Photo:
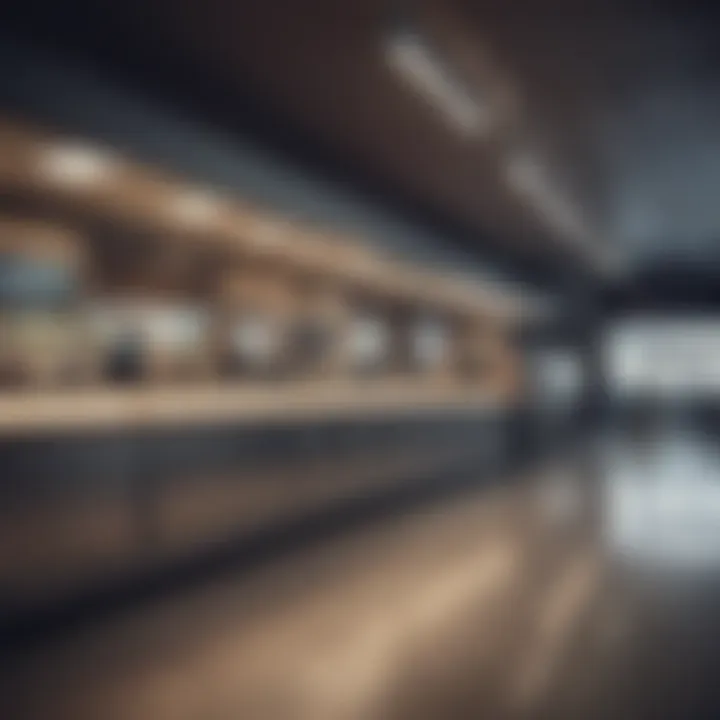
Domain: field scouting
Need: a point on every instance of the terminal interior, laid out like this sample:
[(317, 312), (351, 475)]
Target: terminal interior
[(359, 361)]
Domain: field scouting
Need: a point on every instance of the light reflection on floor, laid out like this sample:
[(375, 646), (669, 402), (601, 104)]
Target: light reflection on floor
[(662, 502)]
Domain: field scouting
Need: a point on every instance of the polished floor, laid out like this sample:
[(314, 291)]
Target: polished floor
[(526, 600)]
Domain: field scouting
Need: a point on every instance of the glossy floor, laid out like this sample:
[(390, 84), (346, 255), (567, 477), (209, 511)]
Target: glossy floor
[(529, 600)]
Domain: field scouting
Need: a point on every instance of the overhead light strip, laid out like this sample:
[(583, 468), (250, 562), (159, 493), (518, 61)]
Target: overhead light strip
[(411, 57)]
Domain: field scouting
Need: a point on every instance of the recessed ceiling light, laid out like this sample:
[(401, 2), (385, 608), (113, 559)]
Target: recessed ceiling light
[(74, 165)]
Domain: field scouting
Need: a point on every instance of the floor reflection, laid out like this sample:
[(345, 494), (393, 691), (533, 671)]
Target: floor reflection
[(662, 500)]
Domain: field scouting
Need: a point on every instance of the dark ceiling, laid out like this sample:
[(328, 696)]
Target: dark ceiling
[(620, 101)]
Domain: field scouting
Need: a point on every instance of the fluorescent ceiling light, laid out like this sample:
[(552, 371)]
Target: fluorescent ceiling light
[(527, 177), (411, 58)]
